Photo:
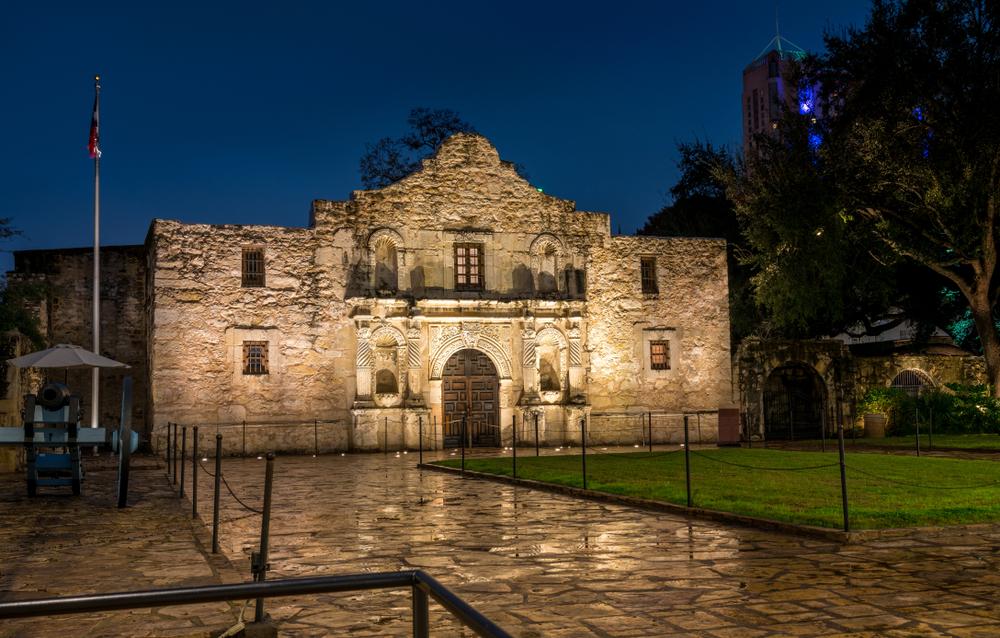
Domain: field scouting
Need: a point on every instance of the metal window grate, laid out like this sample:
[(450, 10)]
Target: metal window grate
[(659, 355), (912, 382), (254, 357), (648, 267), (253, 267), (468, 266)]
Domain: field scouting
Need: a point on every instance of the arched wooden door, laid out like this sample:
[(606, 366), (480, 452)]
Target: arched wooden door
[(470, 387)]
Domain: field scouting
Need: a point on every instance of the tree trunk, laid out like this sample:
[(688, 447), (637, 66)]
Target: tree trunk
[(982, 313)]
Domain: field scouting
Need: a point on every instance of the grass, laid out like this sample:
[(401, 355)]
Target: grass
[(955, 441), (778, 486)]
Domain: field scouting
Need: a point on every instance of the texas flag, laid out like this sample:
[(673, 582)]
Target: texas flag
[(94, 145)]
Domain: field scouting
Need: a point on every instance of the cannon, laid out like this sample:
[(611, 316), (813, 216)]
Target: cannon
[(52, 436)]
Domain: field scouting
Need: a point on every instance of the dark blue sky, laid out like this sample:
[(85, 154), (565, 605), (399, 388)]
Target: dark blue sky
[(245, 112)]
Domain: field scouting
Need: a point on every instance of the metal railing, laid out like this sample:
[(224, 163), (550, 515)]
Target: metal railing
[(422, 585)]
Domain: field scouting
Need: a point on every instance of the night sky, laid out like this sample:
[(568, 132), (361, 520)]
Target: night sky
[(245, 112)]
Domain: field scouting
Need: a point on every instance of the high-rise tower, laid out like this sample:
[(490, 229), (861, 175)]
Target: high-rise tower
[(764, 89)]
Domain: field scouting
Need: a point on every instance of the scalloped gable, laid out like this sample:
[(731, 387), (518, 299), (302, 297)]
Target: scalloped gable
[(464, 184)]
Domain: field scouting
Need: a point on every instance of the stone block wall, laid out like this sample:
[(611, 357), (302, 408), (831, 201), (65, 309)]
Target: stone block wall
[(690, 311), (202, 314), (65, 317)]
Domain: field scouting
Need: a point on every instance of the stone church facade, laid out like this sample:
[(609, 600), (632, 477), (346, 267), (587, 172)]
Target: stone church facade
[(459, 291)]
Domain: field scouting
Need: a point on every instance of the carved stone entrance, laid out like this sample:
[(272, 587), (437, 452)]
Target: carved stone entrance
[(794, 403), (470, 387)]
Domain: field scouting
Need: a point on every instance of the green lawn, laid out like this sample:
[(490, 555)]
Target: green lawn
[(957, 441), (785, 485)]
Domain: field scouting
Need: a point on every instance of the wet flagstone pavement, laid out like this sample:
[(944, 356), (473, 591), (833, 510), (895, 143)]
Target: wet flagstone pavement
[(538, 564), (541, 564)]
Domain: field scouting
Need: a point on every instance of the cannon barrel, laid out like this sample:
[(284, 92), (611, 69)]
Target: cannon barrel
[(54, 396)]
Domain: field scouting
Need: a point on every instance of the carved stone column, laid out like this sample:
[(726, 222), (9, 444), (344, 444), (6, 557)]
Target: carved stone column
[(414, 393), (363, 362), (577, 373), (529, 367)]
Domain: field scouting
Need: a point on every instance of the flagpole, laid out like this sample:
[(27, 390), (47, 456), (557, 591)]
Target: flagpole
[(95, 383)]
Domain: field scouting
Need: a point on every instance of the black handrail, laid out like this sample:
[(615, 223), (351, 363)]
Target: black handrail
[(421, 583)]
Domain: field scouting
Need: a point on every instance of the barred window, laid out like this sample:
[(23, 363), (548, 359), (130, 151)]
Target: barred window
[(648, 268), (659, 355), (468, 266), (253, 267), (254, 357)]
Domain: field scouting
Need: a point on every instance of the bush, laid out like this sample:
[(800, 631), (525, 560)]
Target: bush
[(961, 409)]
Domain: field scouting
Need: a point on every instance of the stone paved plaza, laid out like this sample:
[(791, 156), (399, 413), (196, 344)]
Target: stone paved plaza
[(539, 564)]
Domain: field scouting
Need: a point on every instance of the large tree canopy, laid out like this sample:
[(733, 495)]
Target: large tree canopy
[(900, 167)]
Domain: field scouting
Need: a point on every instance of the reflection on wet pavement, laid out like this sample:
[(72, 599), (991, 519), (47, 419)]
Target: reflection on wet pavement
[(541, 564)]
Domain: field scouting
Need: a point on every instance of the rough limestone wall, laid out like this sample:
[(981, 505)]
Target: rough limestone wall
[(201, 316), (465, 186), (66, 318), (942, 369), (692, 305)]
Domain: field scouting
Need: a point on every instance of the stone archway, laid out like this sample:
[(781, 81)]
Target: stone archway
[(470, 388), (794, 403)]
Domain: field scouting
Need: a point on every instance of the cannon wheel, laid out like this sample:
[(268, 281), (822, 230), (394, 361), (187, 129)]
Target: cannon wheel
[(124, 441)]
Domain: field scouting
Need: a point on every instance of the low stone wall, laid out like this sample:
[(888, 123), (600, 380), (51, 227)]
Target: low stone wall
[(633, 428), (238, 439)]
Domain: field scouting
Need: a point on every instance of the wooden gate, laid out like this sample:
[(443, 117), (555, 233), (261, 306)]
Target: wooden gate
[(470, 387)]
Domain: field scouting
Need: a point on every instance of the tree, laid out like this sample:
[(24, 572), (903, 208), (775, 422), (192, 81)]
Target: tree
[(901, 169), (391, 159)]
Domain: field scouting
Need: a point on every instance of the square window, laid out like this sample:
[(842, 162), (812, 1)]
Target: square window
[(468, 266), (253, 267), (648, 267), (659, 355), (255, 357)]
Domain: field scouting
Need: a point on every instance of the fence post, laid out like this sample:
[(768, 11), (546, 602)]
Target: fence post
[(698, 423), (649, 418), (916, 419), (687, 461), (218, 484), (930, 425), (421, 615), (463, 445), (167, 445), (173, 457), (259, 564), (513, 446), (822, 430), (420, 430), (194, 473), (184, 436), (315, 437), (536, 434), (843, 474), (583, 446)]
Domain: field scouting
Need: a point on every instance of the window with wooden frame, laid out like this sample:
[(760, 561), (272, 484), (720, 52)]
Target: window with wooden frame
[(468, 266), (648, 269), (255, 357), (253, 267), (659, 355)]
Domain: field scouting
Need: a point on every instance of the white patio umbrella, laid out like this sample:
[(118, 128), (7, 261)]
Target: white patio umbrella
[(64, 355)]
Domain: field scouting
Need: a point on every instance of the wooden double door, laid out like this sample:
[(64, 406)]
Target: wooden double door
[(470, 388)]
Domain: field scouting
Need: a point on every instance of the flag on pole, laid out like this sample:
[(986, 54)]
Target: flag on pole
[(94, 145)]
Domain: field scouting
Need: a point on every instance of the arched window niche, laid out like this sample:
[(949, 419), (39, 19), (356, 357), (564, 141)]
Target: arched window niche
[(384, 247), (551, 355), (547, 255)]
